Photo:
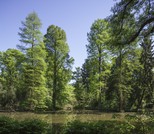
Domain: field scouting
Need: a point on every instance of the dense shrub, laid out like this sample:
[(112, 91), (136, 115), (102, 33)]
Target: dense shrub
[(8, 126), (131, 125), (144, 124), (28, 126), (34, 126), (100, 127)]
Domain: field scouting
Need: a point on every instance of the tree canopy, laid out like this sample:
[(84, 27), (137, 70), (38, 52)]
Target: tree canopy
[(117, 75)]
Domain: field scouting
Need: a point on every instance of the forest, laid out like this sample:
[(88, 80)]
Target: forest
[(117, 75)]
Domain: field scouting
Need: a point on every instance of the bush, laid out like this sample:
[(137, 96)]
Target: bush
[(28, 126), (131, 125), (144, 124), (33, 126), (8, 126), (135, 125), (100, 127)]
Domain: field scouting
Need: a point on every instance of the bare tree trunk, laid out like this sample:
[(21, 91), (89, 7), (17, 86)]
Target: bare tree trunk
[(100, 87), (54, 95), (121, 99)]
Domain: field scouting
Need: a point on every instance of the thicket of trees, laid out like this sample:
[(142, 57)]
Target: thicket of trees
[(118, 74), (35, 76)]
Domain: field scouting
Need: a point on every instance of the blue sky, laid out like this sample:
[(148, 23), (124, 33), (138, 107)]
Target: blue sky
[(73, 16)]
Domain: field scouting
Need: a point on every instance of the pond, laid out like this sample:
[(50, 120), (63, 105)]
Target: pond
[(64, 117)]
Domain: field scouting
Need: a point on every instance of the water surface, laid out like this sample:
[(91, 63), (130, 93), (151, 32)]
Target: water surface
[(63, 117)]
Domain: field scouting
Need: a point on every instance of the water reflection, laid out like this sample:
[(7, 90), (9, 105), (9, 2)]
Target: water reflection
[(62, 118)]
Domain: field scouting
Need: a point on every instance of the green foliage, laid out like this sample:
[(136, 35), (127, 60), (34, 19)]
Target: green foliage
[(147, 74), (143, 124), (28, 126), (128, 27), (10, 76), (30, 31), (98, 38), (8, 126), (33, 87), (138, 15), (132, 22), (123, 79), (59, 64), (116, 76), (33, 126), (79, 90), (95, 69), (100, 127), (133, 124)]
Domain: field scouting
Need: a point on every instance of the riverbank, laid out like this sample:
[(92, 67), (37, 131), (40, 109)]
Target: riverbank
[(132, 125), (64, 117)]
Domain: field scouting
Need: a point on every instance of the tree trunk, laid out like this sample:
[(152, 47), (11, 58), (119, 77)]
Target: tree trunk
[(121, 103), (139, 106), (54, 95), (100, 87)]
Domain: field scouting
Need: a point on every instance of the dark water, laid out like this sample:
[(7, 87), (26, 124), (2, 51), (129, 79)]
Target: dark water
[(64, 117)]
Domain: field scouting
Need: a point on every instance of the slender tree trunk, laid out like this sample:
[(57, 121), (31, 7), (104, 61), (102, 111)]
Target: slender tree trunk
[(121, 104), (31, 92), (100, 87), (140, 99), (54, 95), (147, 80)]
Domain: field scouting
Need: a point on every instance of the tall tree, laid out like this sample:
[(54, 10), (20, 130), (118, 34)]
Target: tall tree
[(124, 80), (79, 88), (97, 50), (131, 21), (147, 60), (34, 67), (59, 62), (141, 10), (10, 77), (30, 33)]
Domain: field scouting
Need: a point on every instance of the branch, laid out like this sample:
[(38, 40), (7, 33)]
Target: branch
[(124, 12), (148, 21), (148, 32)]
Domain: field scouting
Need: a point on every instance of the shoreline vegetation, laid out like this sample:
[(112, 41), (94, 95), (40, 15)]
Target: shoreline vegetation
[(130, 124), (117, 76)]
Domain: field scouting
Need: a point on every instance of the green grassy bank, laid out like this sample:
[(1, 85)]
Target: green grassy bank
[(139, 124)]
